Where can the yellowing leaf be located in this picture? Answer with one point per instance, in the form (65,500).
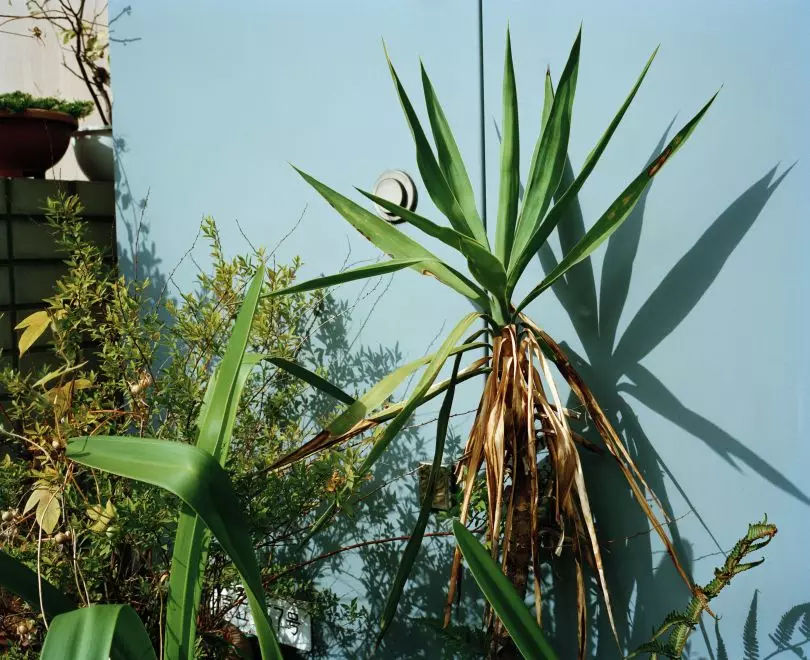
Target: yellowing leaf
(48,507)
(49,510)
(102,516)
(59,372)
(33,327)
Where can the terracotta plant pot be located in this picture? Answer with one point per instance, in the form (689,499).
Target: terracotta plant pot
(94,152)
(33,141)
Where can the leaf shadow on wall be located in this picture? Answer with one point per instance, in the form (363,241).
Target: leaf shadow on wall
(642,593)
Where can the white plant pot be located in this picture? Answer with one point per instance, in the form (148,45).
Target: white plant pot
(93,147)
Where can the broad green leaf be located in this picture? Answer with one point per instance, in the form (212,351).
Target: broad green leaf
(311,378)
(618,211)
(91,633)
(197,479)
(394,243)
(485,266)
(432,175)
(503,598)
(564,202)
(33,326)
(361,273)
(49,511)
(415,540)
(215,423)
(451,162)
(434,365)
(510,162)
(549,155)
(22,581)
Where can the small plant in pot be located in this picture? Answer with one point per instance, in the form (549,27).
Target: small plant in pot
(35,132)
(83,31)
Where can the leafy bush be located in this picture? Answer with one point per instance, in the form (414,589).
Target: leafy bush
(20,101)
(123,365)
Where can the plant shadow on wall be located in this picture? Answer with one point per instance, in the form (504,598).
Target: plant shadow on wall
(607,364)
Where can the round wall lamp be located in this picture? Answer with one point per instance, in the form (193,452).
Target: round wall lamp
(398,188)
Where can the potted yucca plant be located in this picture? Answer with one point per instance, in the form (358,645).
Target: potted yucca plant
(520,417)
(35,132)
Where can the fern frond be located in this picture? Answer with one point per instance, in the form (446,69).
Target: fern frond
(750,641)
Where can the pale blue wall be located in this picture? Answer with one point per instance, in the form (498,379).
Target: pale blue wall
(214,100)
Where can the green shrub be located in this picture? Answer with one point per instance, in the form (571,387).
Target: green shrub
(20,101)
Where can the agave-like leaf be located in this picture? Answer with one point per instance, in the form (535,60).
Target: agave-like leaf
(215,423)
(21,580)
(548,100)
(360,273)
(448,348)
(618,211)
(503,598)
(311,378)
(510,161)
(92,633)
(484,266)
(415,540)
(394,243)
(197,479)
(549,155)
(451,162)
(432,176)
(564,202)
(353,420)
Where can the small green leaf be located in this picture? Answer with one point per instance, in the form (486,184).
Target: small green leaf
(33,326)
(617,212)
(503,598)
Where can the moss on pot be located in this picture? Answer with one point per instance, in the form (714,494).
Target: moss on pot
(20,101)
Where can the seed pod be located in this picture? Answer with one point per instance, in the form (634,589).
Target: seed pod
(56,444)
(22,628)
(60,538)
(7,515)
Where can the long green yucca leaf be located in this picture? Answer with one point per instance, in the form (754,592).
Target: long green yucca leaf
(447,348)
(96,633)
(564,202)
(432,176)
(21,580)
(485,266)
(199,481)
(215,425)
(394,243)
(451,162)
(549,155)
(503,598)
(415,540)
(434,365)
(618,211)
(360,273)
(311,378)
(510,162)
(192,539)
(375,396)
